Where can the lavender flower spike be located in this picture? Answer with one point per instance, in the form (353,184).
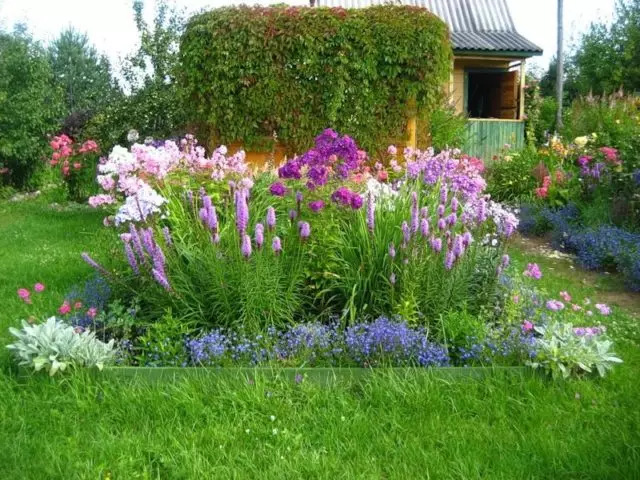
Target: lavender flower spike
(392,250)
(406,234)
(424,227)
(131,258)
(305,230)
(93,264)
(161,278)
(415,219)
(271,218)
(259,235)
(167,236)
(276,245)
(246,246)
(137,243)
(371,211)
(242,211)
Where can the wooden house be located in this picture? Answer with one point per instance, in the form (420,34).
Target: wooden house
(487,80)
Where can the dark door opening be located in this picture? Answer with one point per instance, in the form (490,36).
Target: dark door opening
(492,95)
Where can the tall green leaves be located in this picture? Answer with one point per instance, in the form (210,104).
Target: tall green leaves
(247,73)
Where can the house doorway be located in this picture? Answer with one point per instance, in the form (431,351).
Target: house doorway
(492,94)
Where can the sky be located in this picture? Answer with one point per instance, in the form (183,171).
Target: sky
(109,23)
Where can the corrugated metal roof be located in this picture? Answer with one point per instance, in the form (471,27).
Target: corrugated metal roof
(484,25)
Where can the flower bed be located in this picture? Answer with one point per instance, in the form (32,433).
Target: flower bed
(333,260)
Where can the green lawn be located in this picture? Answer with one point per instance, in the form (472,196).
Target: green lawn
(503,427)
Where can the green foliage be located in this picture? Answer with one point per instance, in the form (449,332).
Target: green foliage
(152,105)
(30,106)
(448,128)
(53,345)
(81,73)
(162,344)
(510,178)
(247,73)
(563,353)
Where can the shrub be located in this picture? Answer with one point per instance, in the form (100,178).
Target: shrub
(77,165)
(562,352)
(54,346)
(29,108)
(510,178)
(447,127)
(286,68)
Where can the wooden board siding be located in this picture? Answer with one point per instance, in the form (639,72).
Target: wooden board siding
(486,138)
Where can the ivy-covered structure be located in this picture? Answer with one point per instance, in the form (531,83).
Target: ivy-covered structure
(487,75)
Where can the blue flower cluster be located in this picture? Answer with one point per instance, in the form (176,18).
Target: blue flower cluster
(498,345)
(384,342)
(95,293)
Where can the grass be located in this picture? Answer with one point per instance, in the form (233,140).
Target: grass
(92,426)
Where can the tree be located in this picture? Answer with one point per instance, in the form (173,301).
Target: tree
(82,74)
(30,105)
(560,66)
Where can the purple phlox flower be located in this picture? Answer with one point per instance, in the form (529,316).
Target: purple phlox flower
(271,218)
(245,248)
(276,245)
(278,189)
(424,227)
(305,230)
(316,205)
(291,169)
(604,309)
(533,271)
(392,250)
(356,201)
(555,305)
(259,235)
(371,211)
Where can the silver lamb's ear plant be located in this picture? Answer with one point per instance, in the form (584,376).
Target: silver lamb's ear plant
(54,345)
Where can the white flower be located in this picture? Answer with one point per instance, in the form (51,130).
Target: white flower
(138,207)
(132,136)
(581,142)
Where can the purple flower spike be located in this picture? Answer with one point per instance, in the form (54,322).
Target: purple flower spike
(449,259)
(443,194)
(93,264)
(242,211)
(392,250)
(293,214)
(452,219)
(137,243)
(436,245)
(424,212)
(259,235)
(506,260)
(442,224)
(305,230)
(167,236)
(215,239)
(458,246)
(454,205)
(406,233)
(276,245)
(415,219)
(441,210)
(131,258)
(371,211)
(467,239)
(424,227)
(299,198)
(161,278)
(246,246)
(271,218)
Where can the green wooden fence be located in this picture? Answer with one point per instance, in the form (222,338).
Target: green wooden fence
(486,138)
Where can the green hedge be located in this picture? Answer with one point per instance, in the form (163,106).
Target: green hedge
(247,72)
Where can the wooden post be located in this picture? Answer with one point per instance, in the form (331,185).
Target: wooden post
(412,125)
(522,85)
(560,73)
